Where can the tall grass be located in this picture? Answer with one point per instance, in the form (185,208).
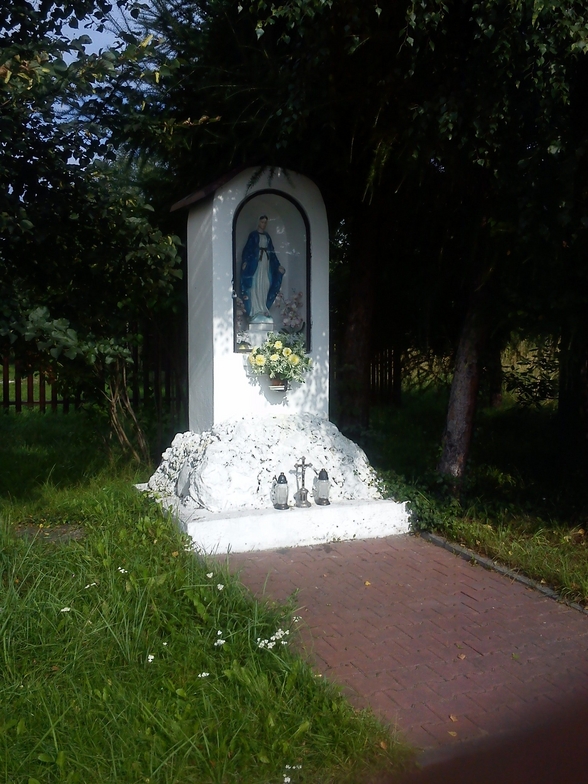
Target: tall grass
(126,658)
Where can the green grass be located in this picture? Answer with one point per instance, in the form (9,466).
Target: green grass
(42,452)
(24,394)
(525,499)
(111,665)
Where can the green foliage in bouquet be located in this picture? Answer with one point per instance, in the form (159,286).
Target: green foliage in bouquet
(281,356)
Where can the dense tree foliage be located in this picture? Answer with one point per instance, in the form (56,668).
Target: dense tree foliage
(449,141)
(80,262)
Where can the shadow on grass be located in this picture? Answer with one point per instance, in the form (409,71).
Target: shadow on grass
(58,449)
(407,440)
(518,459)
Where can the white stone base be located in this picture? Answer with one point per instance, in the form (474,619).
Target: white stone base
(231,467)
(218,485)
(269,529)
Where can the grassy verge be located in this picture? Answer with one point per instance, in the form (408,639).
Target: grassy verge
(525,501)
(125,658)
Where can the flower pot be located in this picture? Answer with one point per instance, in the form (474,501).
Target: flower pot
(278,384)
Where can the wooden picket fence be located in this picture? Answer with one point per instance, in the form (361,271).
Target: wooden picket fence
(157,379)
(386,376)
(31,390)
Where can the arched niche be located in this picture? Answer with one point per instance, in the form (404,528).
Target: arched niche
(289,229)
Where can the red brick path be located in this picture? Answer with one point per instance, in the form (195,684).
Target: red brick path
(445,649)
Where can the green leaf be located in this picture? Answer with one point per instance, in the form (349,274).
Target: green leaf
(8,725)
(302,729)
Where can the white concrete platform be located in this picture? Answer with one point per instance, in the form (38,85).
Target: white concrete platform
(269,529)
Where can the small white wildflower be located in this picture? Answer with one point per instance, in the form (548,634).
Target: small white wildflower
(219,633)
(204,675)
(271,644)
(90,585)
(121,570)
(150,657)
(297,618)
(220,586)
(65,609)
(288,767)
(210,575)
(287,779)
(284,642)
(219,642)
(164,643)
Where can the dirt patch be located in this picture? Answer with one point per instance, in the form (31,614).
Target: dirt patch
(56,533)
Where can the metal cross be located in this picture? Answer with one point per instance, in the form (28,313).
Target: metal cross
(303,465)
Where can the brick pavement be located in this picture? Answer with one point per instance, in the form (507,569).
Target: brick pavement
(442,648)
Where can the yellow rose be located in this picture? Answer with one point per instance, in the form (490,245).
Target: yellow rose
(294,359)
(260,360)
(287,351)
(274,357)
(278,344)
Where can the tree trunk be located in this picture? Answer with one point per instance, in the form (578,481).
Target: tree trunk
(573,386)
(397,375)
(459,426)
(354,384)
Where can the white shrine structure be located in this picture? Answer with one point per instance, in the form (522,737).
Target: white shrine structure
(219,477)
(218,227)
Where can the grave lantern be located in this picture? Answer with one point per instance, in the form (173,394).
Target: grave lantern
(280,492)
(321,488)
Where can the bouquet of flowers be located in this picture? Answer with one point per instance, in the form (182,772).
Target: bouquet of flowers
(290,310)
(281,356)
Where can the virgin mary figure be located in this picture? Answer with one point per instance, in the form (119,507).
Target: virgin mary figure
(261,275)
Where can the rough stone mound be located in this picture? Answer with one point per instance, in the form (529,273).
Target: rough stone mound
(232,466)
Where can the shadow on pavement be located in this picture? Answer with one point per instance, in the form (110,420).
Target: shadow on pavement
(555,751)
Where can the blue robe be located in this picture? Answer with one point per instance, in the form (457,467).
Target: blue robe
(250,260)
